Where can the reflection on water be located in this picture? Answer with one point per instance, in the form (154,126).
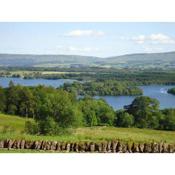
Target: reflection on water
(164,91)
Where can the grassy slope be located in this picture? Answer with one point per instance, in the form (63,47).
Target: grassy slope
(12,127)
(12,123)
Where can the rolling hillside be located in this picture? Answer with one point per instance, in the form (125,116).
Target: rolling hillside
(45,60)
(142,60)
(12,127)
(11,124)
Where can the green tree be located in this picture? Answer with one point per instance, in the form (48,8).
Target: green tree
(26,103)
(145,111)
(167,122)
(88,107)
(13,98)
(2,100)
(105,112)
(61,106)
(123,119)
(41,109)
(96,112)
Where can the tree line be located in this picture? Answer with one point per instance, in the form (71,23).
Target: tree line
(54,110)
(102,88)
(137,76)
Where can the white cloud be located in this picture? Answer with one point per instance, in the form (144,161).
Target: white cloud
(75,49)
(124,38)
(152,49)
(81,49)
(158,38)
(80,33)
(139,39)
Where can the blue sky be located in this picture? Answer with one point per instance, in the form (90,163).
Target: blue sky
(97,39)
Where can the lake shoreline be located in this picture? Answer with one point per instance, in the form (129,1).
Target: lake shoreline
(117,102)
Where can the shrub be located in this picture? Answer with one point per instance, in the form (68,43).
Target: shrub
(48,127)
(31,127)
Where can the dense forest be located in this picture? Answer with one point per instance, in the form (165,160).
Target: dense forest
(100,88)
(55,110)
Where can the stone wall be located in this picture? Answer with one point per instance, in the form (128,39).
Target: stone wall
(100,147)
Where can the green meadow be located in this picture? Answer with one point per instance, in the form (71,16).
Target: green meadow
(13,127)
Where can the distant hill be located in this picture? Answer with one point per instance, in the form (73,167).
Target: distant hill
(45,60)
(142,60)
(166,59)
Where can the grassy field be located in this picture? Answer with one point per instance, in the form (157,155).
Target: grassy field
(12,124)
(12,127)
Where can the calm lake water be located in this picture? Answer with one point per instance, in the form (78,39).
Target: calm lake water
(117,102)
(154,91)
(4,82)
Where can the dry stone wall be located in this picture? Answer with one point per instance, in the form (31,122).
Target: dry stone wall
(80,147)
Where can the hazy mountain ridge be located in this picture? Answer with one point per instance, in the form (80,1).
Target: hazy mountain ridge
(33,60)
(130,60)
(167,56)
(164,60)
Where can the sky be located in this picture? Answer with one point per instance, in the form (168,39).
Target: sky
(93,39)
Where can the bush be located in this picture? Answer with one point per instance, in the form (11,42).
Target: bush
(48,127)
(45,127)
(31,127)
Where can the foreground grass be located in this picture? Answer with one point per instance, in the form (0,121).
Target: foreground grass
(13,124)
(96,134)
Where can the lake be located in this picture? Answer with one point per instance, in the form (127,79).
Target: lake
(154,91)
(117,102)
(34,82)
